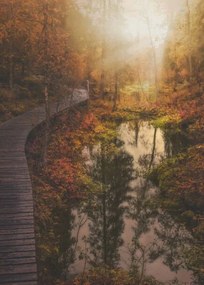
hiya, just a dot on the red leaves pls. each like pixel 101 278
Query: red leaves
pixel 62 174
pixel 89 122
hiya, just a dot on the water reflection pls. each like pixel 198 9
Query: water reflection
pixel 122 225
pixel 175 141
pixel 113 168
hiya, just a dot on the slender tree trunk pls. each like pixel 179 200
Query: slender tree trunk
pixel 137 129
pixel 47 126
pixel 88 61
pixel 102 83
pixel 104 230
pixel 23 68
pixel 140 82
pixel 153 149
pixel 11 56
pixel 154 57
pixel 190 65
pixel 11 71
pixel 143 267
pixel 103 176
pixel 116 92
pixel 46 93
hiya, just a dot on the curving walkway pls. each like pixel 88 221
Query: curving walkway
pixel 17 239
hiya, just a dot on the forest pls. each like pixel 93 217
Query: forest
pixel 118 180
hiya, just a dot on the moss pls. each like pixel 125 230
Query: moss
pixel 167 121
pixel 119 116
pixel 180 180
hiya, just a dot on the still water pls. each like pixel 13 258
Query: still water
pixel 120 224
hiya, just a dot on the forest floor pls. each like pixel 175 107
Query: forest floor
pixel 180 177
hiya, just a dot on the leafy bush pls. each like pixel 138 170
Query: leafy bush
pixel 35 84
pixel 22 92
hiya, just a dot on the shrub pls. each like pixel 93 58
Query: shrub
pixel 22 92
pixel 6 95
pixel 35 84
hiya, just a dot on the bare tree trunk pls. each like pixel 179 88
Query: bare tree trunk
pixel 103 178
pixel 153 149
pixel 190 66
pixel 143 266
pixel 104 230
pixel 116 92
pixel 140 82
pixel 102 83
pixel 137 129
pixel 11 69
pixel 154 56
pixel 46 93
pixel 47 126
pixel 11 57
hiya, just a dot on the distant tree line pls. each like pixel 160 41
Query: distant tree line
pixel 184 53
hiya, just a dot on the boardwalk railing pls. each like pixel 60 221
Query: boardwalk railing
pixel 17 239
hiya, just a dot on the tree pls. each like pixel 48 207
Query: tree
pixel 183 53
pixel 189 39
pixel 17 38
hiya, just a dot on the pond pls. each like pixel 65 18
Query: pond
pixel 121 224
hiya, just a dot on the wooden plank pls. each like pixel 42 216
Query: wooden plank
pixel 17 237
pixel 17 208
pixel 17 242
pixel 20 254
pixel 18 268
pixel 26 196
pixel 16 216
pixel 17 204
pixel 16 226
pixel 28 205
pixel 17 283
pixel 13 232
pixel 17 186
pixel 8 278
pixel 5 190
pixel 13 195
pixel 17 261
pixel 13 221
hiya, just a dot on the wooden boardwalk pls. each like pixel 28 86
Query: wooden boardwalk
pixel 17 238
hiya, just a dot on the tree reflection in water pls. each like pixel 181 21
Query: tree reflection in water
pixel 113 169
pixel 125 226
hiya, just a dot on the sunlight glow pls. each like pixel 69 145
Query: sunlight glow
pixel 133 31
pixel 149 16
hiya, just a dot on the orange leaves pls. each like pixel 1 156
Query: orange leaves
pixel 62 174
pixel 89 122
pixel 187 103
pixel 59 146
pixel 65 167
